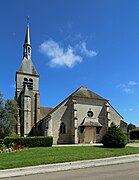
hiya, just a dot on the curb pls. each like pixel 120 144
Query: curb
pixel 32 170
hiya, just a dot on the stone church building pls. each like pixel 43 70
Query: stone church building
pixel 83 117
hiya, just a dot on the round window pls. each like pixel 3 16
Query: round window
pixel 90 114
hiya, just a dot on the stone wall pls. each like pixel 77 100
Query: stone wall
pixel 72 113
pixel 115 117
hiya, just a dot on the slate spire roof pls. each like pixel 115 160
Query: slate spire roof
pixel 27 37
pixel 27 65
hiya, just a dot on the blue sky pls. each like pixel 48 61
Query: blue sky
pixel 94 43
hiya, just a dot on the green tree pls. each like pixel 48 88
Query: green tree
pixel 114 138
pixel 1 105
pixel 8 116
pixel 131 126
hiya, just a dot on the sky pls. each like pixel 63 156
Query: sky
pixel 91 43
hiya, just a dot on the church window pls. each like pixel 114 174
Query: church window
pixel 98 130
pixel 25 79
pixel 82 129
pixel 29 50
pixel 62 128
pixel 90 113
pixel 25 82
pixel 30 84
pixel 30 80
pixel 47 125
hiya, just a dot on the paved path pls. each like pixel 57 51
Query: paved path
pixel 127 171
pixel 133 144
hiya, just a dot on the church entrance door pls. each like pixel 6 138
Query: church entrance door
pixel 89 135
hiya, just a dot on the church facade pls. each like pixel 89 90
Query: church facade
pixel 83 117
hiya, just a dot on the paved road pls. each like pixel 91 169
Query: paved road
pixel 128 171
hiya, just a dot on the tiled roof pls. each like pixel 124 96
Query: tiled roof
pixel 86 93
pixel 44 111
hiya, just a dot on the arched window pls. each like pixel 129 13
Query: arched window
pixel 25 82
pixel 30 80
pixel 30 84
pixel 25 79
pixel 62 128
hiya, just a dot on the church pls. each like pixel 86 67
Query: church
pixel 83 117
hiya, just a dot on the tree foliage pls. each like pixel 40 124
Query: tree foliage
pixel 8 116
pixel 114 138
pixel 131 126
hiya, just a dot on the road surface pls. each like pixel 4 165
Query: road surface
pixel 128 171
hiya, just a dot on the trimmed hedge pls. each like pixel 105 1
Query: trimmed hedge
pixel 36 141
pixel 1 141
pixel 134 134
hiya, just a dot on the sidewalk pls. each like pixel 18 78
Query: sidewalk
pixel 67 166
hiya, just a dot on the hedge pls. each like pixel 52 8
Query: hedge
pixel 1 141
pixel 37 141
pixel 134 134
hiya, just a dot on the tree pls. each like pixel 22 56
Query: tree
pixel 1 105
pixel 131 126
pixel 8 117
pixel 114 138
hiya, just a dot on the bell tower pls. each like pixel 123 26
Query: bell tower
pixel 27 90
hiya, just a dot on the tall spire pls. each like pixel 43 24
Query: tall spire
pixel 27 45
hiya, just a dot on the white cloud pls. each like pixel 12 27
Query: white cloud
pixel 129 109
pixel 89 53
pixel 60 56
pixel 127 90
pixel 121 86
pixel 132 83
pixel 128 87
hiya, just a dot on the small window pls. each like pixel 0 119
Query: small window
pixel 98 130
pixel 29 49
pixel 90 114
pixel 25 79
pixel 25 82
pixel 62 128
pixel 47 125
pixel 30 84
pixel 30 80
pixel 82 129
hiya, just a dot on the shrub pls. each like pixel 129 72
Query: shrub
pixel 114 138
pixel 37 141
pixel 134 134
pixel 1 141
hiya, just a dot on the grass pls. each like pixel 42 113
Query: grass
pixel 135 141
pixel 49 155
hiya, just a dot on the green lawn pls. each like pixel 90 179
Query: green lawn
pixel 136 141
pixel 47 155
